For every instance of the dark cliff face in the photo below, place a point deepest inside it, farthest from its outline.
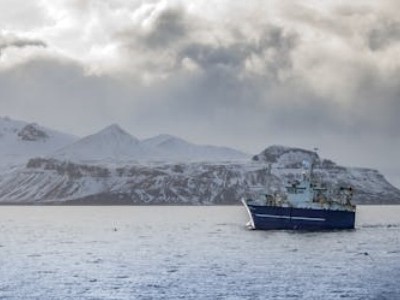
(32, 133)
(292, 158)
(272, 154)
(69, 169)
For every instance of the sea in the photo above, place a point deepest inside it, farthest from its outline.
(191, 252)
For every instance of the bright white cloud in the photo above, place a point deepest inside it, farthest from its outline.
(147, 39)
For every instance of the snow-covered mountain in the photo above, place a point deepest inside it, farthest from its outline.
(20, 141)
(115, 145)
(167, 147)
(370, 186)
(112, 144)
(114, 167)
(48, 180)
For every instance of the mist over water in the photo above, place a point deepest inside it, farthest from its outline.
(127, 252)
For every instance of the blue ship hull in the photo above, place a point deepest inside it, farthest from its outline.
(266, 217)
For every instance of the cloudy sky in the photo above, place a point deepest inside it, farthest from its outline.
(245, 74)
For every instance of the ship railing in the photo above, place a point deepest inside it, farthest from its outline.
(341, 196)
(261, 196)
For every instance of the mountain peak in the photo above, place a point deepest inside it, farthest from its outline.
(110, 143)
(113, 128)
(114, 134)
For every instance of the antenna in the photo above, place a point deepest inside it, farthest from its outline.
(313, 164)
(318, 178)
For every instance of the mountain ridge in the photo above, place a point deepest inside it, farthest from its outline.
(51, 181)
(20, 141)
(113, 144)
(114, 167)
(110, 143)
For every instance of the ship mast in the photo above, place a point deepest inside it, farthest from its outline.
(312, 164)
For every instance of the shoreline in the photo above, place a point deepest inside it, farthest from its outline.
(153, 204)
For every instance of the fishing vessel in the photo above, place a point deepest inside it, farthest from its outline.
(306, 205)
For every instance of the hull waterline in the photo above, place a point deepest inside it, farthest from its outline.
(276, 217)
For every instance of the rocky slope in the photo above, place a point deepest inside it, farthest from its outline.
(50, 180)
(20, 141)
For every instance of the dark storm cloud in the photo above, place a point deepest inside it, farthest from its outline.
(377, 105)
(235, 55)
(165, 27)
(166, 37)
(223, 92)
(169, 26)
(23, 43)
(386, 33)
(14, 41)
(211, 56)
